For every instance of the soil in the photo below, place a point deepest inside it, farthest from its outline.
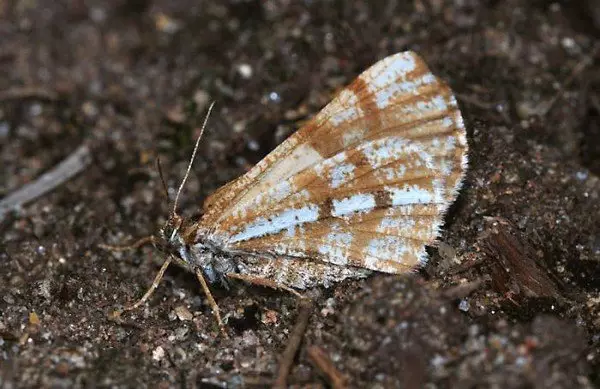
(509, 298)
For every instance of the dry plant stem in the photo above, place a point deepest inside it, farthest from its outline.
(212, 302)
(580, 67)
(475, 102)
(263, 282)
(152, 288)
(287, 358)
(162, 178)
(322, 361)
(462, 290)
(64, 171)
(138, 243)
(27, 92)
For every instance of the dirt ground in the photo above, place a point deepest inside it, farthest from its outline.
(509, 299)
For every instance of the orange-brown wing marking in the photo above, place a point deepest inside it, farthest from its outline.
(366, 183)
(374, 206)
(371, 104)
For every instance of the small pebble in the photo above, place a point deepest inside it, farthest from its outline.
(165, 23)
(274, 97)
(201, 99)
(183, 313)
(245, 70)
(34, 319)
(158, 353)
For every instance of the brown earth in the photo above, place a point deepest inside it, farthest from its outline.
(510, 298)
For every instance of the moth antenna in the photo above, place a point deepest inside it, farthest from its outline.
(189, 168)
(162, 178)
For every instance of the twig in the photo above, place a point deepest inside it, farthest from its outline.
(463, 290)
(132, 246)
(287, 358)
(322, 361)
(475, 101)
(64, 171)
(28, 92)
(580, 67)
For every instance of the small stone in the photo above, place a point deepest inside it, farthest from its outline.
(274, 97)
(245, 70)
(201, 99)
(253, 145)
(329, 307)
(269, 317)
(239, 127)
(34, 319)
(165, 23)
(89, 109)
(568, 43)
(181, 333)
(97, 14)
(158, 353)
(581, 175)
(175, 114)
(183, 313)
(35, 109)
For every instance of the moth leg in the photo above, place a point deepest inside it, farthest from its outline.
(152, 288)
(264, 282)
(138, 243)
(212, 302)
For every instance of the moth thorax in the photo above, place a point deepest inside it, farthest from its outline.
(203, 258)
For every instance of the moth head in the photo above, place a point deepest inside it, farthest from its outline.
(178, 239)
(171, 239)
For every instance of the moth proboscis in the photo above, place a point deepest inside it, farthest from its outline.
(361, 187)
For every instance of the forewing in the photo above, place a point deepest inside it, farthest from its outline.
(365, 183)
(391, 96)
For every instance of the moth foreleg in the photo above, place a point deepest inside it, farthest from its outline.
(137, 244)
(152, 288)
(264, 282)
(211, 301)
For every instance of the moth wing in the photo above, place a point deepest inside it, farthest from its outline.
(391, 145)
(375, 205)
(388, 240)
(378, 101)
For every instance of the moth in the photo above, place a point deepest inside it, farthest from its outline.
(362, 187)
